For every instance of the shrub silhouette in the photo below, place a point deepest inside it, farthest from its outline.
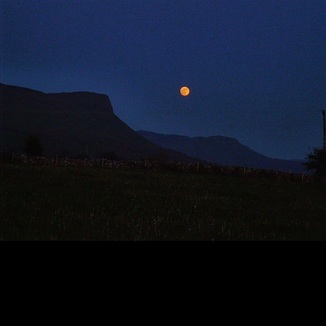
(317, 161)
(32, 146)
(110, 156)
(81, 155)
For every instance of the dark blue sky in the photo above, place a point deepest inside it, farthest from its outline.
(256, 69)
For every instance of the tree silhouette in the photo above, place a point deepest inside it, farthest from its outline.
(317, 161)
(32, 146)
(110, 156)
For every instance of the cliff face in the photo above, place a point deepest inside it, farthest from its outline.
(70, 124)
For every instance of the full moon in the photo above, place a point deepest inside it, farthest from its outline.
(184, 91)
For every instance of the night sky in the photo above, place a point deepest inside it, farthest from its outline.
(256, 69)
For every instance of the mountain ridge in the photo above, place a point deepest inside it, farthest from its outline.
(221, 150)
(70, 124)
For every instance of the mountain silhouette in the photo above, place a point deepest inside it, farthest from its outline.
(84, 123)
(71, 124)
(222, 150)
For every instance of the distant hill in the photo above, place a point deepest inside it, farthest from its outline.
(71, 124)
(221, 150)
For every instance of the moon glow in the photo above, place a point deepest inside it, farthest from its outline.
(184, 91)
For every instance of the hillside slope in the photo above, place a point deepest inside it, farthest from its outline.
(221, 150)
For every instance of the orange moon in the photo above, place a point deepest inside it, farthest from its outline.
(184, 91)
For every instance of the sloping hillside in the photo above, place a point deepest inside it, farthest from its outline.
(221, 150)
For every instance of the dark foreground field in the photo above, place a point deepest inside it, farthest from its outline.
(87, 203)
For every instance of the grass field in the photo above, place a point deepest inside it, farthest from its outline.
(80, 203)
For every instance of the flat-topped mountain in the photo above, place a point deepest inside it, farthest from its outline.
(71, 124)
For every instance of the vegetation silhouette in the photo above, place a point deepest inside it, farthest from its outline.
(32, 146)
(110, 156)
(81, 155)
(317, 161)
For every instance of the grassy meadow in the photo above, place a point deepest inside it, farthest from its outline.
(87, 203)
